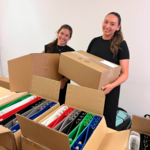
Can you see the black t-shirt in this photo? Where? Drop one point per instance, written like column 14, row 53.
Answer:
column 60, row 49
column 101, row 48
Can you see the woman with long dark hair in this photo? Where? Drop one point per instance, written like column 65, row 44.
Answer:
column 59, row 45
column 111, row 46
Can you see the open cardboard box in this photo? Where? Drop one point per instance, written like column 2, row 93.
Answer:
column 88, row 70
column 4, row 82
column 43, row 87
column 21, row 70
column 82, row 98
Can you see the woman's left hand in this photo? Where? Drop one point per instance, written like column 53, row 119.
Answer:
column 63, row 83
column 107, row 88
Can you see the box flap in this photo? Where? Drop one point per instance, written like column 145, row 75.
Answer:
column 97, row 137
column 20, row 73
column 4, row 82
column 46, row 65
column 43, row 135
column 115, row 141
column 7, row 139
column 46, row 88
column 11, row 98
column 140, row 124
column 85, row 98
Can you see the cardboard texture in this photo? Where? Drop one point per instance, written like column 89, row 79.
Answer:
column 3, row 148
column 86, row 69
column 7, row 139
column 43, row 87
column 23, row 68
column 4, row 82
column 27, row 144
column 5, row 92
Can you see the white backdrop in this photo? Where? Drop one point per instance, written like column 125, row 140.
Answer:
column 27, row 25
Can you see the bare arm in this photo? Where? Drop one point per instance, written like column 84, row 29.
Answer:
column 124, row 63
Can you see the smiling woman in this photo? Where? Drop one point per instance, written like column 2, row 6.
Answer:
column 59, row 46
column 111, row 46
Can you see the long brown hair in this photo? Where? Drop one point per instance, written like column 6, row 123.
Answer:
column 52, row 45
column 117, row 37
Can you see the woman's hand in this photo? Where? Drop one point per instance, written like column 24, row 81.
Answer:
column 107, row 88
column 63, row 83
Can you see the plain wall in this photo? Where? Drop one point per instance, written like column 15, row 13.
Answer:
column 27, row 25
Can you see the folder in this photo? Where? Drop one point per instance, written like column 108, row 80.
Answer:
column 5, row 116
column 26, row 113
column 4, row 122
column 54, row 116
column 75, row 122
column 61, row 117
column 64, row 125
column 86, row 134
column 12, row 107
column 30, row 116
column 73, row 135
column 15, row 101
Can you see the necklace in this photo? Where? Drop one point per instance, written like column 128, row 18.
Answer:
column 60, row 49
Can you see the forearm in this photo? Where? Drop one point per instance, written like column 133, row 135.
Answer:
column 122, row 78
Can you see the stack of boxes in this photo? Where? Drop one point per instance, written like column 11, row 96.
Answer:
column 38, row 74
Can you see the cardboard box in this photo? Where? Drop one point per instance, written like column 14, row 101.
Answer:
column 88, row 70
column 88, row 100
column 28, row 144
column 43, row 87
column 21, row 70
column 4, row 82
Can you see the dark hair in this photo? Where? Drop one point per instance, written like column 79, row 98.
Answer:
column 117, row 37
column 52, row 45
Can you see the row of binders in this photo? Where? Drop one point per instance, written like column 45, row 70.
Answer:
column 78, row 125
column 28, row 106
column 138, row 141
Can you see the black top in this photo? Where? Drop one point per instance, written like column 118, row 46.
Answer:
column 101, row 48
column 60, row 49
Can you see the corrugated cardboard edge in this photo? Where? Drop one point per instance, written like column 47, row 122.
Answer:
column 140, row 124
column 7, row 138
column 45, row 88
column 85, row 98
column 40, row 134
column 20, row 73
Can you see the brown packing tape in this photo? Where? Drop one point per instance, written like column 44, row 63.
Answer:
column 27, row 144
column 7, row 138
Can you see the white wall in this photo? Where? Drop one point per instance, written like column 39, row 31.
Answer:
column 27, row 25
